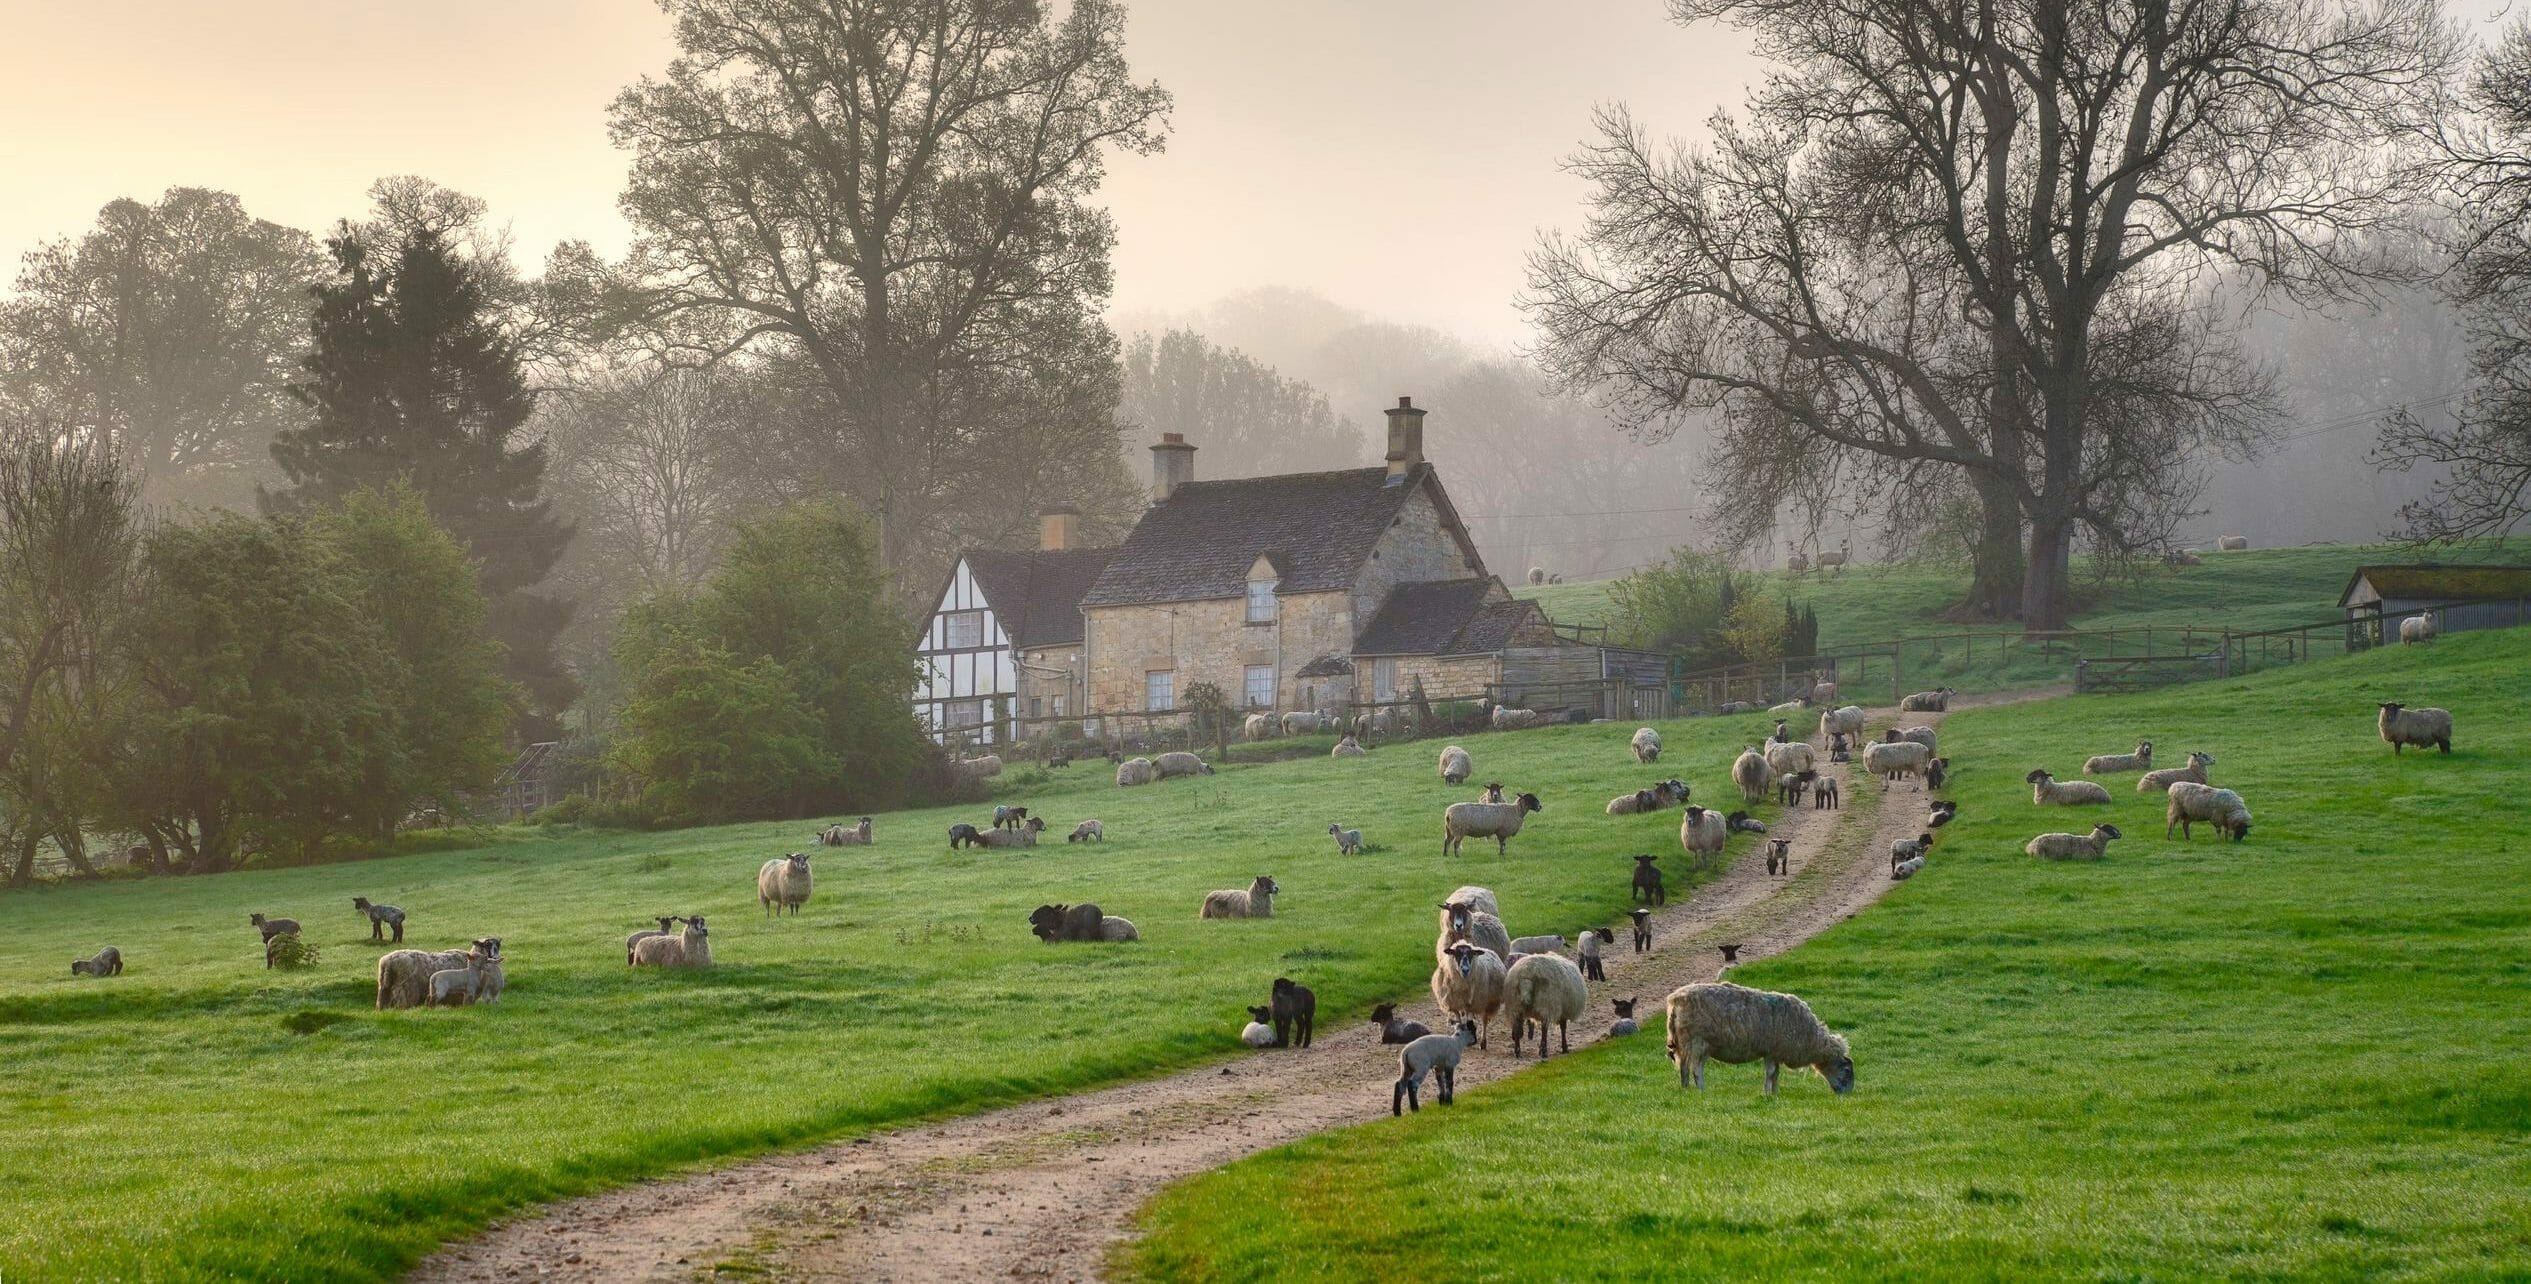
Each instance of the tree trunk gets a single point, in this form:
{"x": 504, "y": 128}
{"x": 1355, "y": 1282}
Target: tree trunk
{"x": 216, "y": 853}
{"x": 1995, "y": 585}
{"x": 157, "y": 850}
{"x": 24, "y": 873}
{"x": 74, "y": 849}
{"x": 2043, "y": 577}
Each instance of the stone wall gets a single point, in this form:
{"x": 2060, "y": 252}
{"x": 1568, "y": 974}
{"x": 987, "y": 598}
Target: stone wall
{"x": 1213, "y": 642}
{"x": 1048, "y": 694}
{"x": 1417, "y": 550}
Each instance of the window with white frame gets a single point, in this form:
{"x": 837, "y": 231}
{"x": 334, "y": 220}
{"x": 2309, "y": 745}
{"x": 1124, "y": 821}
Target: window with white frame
{"x": 966, "y": 713}
{"x": 962, "y": 629}
{"x": 1261, "y": 601}
{"x": 1260, "y": 686}
{"x": 1159, "y": 691}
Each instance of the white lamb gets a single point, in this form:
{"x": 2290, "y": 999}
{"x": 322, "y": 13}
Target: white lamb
{"x": 1348, "y": 841}
{"x": 1434, "y": 1054}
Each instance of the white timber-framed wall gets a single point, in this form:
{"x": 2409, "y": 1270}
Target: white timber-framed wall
{"x": 970, "y": 680}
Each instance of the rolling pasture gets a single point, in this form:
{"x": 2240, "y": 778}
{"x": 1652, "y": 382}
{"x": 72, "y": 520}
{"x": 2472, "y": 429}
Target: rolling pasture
{"x": 2299, "y": 1056}
{"x": 201, "y": 1117}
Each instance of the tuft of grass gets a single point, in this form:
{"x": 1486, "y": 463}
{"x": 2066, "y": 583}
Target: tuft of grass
{"x": 2294, "y": 1057}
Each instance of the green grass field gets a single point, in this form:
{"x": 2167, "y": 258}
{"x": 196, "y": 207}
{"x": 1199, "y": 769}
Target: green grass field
{"x": 2259, "y": 589}
{"x": 2298, "y": 1057}
{"x": 200, "y": 1117}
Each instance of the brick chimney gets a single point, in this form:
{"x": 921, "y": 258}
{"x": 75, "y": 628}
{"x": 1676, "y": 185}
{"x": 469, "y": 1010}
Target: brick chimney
{"x": 1058, "y": 527}
{"x": 1406, "y": 439}
{"x": 1172, "y": 465}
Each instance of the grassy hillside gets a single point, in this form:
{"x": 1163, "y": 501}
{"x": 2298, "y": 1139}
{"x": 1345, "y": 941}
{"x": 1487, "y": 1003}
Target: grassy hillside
{"x": 2294, "y": 1057}
{"x": 202, "y": 1117}
{"x": 2259, "y": 589}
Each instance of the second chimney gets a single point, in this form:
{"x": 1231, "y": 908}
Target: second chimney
{"x": 1172, "y": 465}
{"x": 1058, "y": 527}
{"x": 1406, "y": 438}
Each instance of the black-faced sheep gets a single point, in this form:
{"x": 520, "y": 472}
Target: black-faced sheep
{"x": 404, "y": 976}
{"x": 2402, "y": 726}
{"x": 1547, "y": 989}
{"x": 1052, "y": 923}
{"x": 1646, "y": 745}
{"x": 1480, "y": 899}
{"x": 1701, "y": 834}
{"x": 1749, "y": 774}
{"x": 1256, "y": 902}
{"x": 2047, "y": 791}
{"x": 690, "y": 947}
{"x": 1779, "y": 856}
{"x": 1790, "y": 787}
{"x": 1455, "y": 766}
{"x": 1625, "y": 1023}
{"x": 2161, "y": 779}
{"x": 272, "y": 927}
{"x": 381, "y": 918}
{"x": 107, "y": 962}
{"x": 1586, "y": 952}
{"x": 1492, "y": 793}
{"x": 1009, "y": 817}
{"x": 1259, "y": 1032}
{"x": 1088, "y": 831}
{"x": 1463, "y": 921}
{"x": 2204, "y": 804}
{"x": 1348, "y": 841}
{"x": 1436, "y": 1055}
{"x": 1498, "y": 821}
{"x": 1295, "y": 1012}
{"x": 964, "y": 836}
{"x": 1467, "y": 984}
{"x": 1648, "y": 881}
{"x": 784, "y": 883}
{"x": 1734, "y": 1024}
{"x": 1943, "y": 813}
{"x": 1907, "y": 849}
{"x": 1934, "y": 701}
{"x": 1394, "y": 1029}
{"x": 1643, "y": 929}
{"x": 2091, "y": 846}
{"x": 2108, "y": 763}
{"x": 1348, "y": 748}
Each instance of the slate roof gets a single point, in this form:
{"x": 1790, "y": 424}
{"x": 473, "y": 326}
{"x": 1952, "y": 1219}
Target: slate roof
{"x": 1444, "y": 617}
{"x": 1327, "y": 666}
{"x": 1320, "y": 528}
{"x": 1037, "y": 594}
{"x": 2431, "y": 583}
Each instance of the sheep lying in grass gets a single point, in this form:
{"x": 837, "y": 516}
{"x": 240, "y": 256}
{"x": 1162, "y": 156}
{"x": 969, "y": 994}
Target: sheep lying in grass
{"x": 1295, "y": 1008}
{"x": 2091, "y": 846}
{"x": 1256, "y": 902}
{"x": 404, "y": 976}
{"x": 1135, "y": 771}
{"x": 783, "y": 883}
{"x": 1893, "y": 760}
{"x": 1907, "y": 849}
{"x": 667, "y": 923}
{"x": 1088, "y": 831}
{"x": 107, "y": 962}
{"x": 1395, "y": 1029}
{"x": 1113, "y": 928}
{"x": 2104, "y": 764}
{"x": 2161, "y": 779}
{"x": 1648, "y": 881}
{"x": 1024, "y": 836}
{"x": 1052, "y": 923}
{"x": 1545, "y": 988}
{"x": 2402, "y": 726}
{"x": 1436, "y": 1055}
{"x": 1586, "y": 952}
{"x": 1498, "y": 821}
{"x": 1660, "y": 796}
{"x": 1259, "y": 1032}
{"x": 1625, "y": 1023}
{"x": 1455, "y": 766}
{"x": 838, "y": 836}
{"x": 1934, "y": 701}
{"x": 1847, "y": 721}
{"x": 690, "y": 947}
{"x": 1467, "y": 984}
{"x": 1734, "y": 1024}
{"x": 2047, "y": 791}
{"x": 1348, "y": 841}
{"x": 1348, "y": 748}
{"x": 272, "y": 927}
{"x": 984, "y": 768}
{"x": 1701, "y": 834}
{"x": 1749, "y": 773}
{"x": 2204, "y": 804}
{"x": 1645, "y": 744}
{"x": 381, "y": 918}
{"x": 1730, "y": 707}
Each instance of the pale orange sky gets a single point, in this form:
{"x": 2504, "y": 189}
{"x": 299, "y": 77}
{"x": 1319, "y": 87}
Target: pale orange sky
{"x": 1397, "y": 156}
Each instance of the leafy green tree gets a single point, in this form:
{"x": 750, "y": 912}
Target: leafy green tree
{"x": 712, "y": 737}
{"x": 1682, "y": 606}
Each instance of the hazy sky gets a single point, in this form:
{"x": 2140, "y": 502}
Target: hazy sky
{"x": 1398, "y": 156}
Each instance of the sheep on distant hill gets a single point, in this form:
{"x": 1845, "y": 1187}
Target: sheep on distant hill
{"x": 839, "y": 836}
{"x": 1024, "y": 836}
{"x": 1348, "y": 748}
{"x": 1734, "y": 1024}
{"x": 2204, "y": 804}
{"x": 2047, "y": 791}
{"x": 2416, "y": 628}
{"x": 1175, "y": 764}
{"x": 2233, "y": 543}
{"x": 2401, "y": 726}
{"x": 1261, "y": 726}
{"x": 988, "y": 766}
{"x": 1257, "y": 901}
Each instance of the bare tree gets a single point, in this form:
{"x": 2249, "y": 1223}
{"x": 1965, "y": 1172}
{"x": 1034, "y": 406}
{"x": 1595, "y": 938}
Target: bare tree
{"x": 1952, "y": 231}
{"x": 897, "y": 190}
{"x": 649, "y": 464}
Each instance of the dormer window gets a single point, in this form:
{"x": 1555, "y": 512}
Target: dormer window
{"x": 1263, "y": 577}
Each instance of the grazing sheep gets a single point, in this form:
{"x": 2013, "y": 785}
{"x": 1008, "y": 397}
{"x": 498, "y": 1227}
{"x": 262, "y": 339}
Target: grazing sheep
{"x": 1181, "y": 764}
{"x": 1395, "y": 1029}
{"x": 1052, "y": 923}
{"x": 783, "y": 882}
{"x": 1701, "y": 834}
{"x": 404, "y": 976}
{"x": 1739, "y": 822}
{"x": 2047, "y": 791}
{"x": 2203, "y": 804}
{"x": 1545, "y": 988}
{"x": 457, "y": 986}
{"x": 667, "y": 923}
{"x": 1498, "y": 821}
{"x": 2091, "y": 846}
{"x": 1735, "y": 1025}
{"x": 1135, "y": 771}
{"x": 1348, "y": 841}
{"x": 1024, "y": 836}
{"x": 2103, "y": 764}
{"x": 1462, "y": 921}
{"x": 1261, "y": 726}
{"x": 1906, "y": 869}
{"x": 1907, "y": 849}
{"x": 1433, "y": 1054}
{"x": 2416, "y": 628}
{"x": 988, "y": 766}
{"x": 1648, "y": 881}
{"x": 1748, "y": 771}
{"x": 1937, "y": 700}
{"x": 838, "y": 836}
{"x": 107, "y": 962}
{"x": 1891, "y": 760}
{"x": 1551, "y": 943}
{"x": 2401, "y": 726}
{"x": 1625, "y": 1023}
{"x": 1646, "y": 745}
{"x": 2163, "y": 778}
{"x": 1480, "y": 899}
{"x": 690, "y": 947}
{"x": 1009, "y": 817}
{"x": 1348, "y": 748}
{"x": 1643, "y": 929}
{"x": 2233, "y": 543}
{"x": 381, "y": 918}
{"x": 1779, "y": 856}
{"x": 1256, "y": 902}
{"x": 1467, "y": 983}
{"x": 1088, "y": 831}
{"x": 1259, "y": 1032}
{"x": 1790, "y": 787}
{"x": 964, "y": 836}
{"x": 1586, "y": 952}
{"x": 1847, "y": 721}
{"x": 272, "y": 927}
{"x": 1943, "y": 813}
{"x": 1790, "y": 757}
{"x": 1295, "y": 1012}
{"x": 1456, "y": 766}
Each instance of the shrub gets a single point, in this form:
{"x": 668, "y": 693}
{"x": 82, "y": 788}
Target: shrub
{"x": 288, "y": 953}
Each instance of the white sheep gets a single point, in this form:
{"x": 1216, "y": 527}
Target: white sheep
{"x": 1848, "y": 721}
{"x": 1925, "y": 736}
{"x": 1661, "y": 795}
{"x": 1498, "y": 821}
{"x": 2161, "y": 779}
{"x": 1790, "y": 757}
{"x": 2401, "y": 726}
{"x": 2103, "y": 764}
{"x": 783, "y": 882}
{"x": 1551, "y": 943}
{"x": 1348, "y": 748}
{"x": 2233, "y": 543}
{"x": 2091, "y": 846}
{"x": 2204, "y": 804}
{"x": 1702, "y": 833}
{"x": 1735, "y": 1025}
{"x": 1348, "y": 841}
{"x": 1586, "y": 952}
{"x": 404, "y": 976}
{"x": 457, "y": 986}
{"x": 1823, "y": 692}
{"x": 1463, "y": 921}
{"x": 1455, "y": 766}
{"x": 690, "y": 947}
{"x": 1434, "y": 1054}
{"x": 1258, "y": 1033}
{"x": 1934, "y": 701}
{"x": 2047, "y": 791}
{"x": 1301, "y": 723}
{"x": 2417, "y": 628}
{"x": 1261, "y": 726}
{"x": 1788, "y": 708}
{"x": 667, "y": 923}
{"x": 1024, "y": 836}
{"x": 1135, "y": 771}
{"x": 1749, "y": 772}
{"x": 838, "y": 836}
{"x": 1478, "y": 898}
{"x": 1181, "y": 764}
{"x": 1256, "y": 902}
{"x": 1892, "y": 759}
{"x": 987, "y": 766}
{"x": 1088, "y": 831}
{"x": 1546, "y": 988}
{"x": 1646, "y": 745}
{"x": 1467, "y": 984}
{"x": 1113, "y": 928}
{"x": 1505, "y": 718}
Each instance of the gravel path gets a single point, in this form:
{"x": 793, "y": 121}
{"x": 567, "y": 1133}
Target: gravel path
{"x": 1046, "y": 1189}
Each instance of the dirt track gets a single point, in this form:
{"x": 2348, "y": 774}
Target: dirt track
{"x": 1046, "y": 1189}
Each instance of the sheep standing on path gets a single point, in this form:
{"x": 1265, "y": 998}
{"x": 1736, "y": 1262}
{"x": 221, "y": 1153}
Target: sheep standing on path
{"x": 381, "y": 918}
{"x": 1749, "y": 773}
{"x": 1643, "y": 929}
{"x": 2204, "y": 804}
{"x": 782, "y": 883}
{"x": 2091, "y": 846}
{"x": 106, "y": 962}
{"x": 690, "y": 947}
{"x": 1295, "y": 1009}
{"x": 1547, "y": 989}
{"x": 1434, "y": 1054}
{"x": 1463, "y": 921}
{"x": 1702, "y": 834}
{"x": 1735, "y": 1025}
{"x": 1892, "y": 760}
{"x": 2107, "y": 763}
{"x": 1586, "y": 952}
{"x": 1498, "y": 821}
{"x": 1256, "y": 902}
{"x": 1648, "y": 881}
{"x": 1467, "y": 984}
{"x": 2047, "y": 791}
{"x": 1455, "y": 766}
{"x": 1847, "y": 721}
{"x": 2401, "y": 726}
{"x": 1646, "y": 745}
